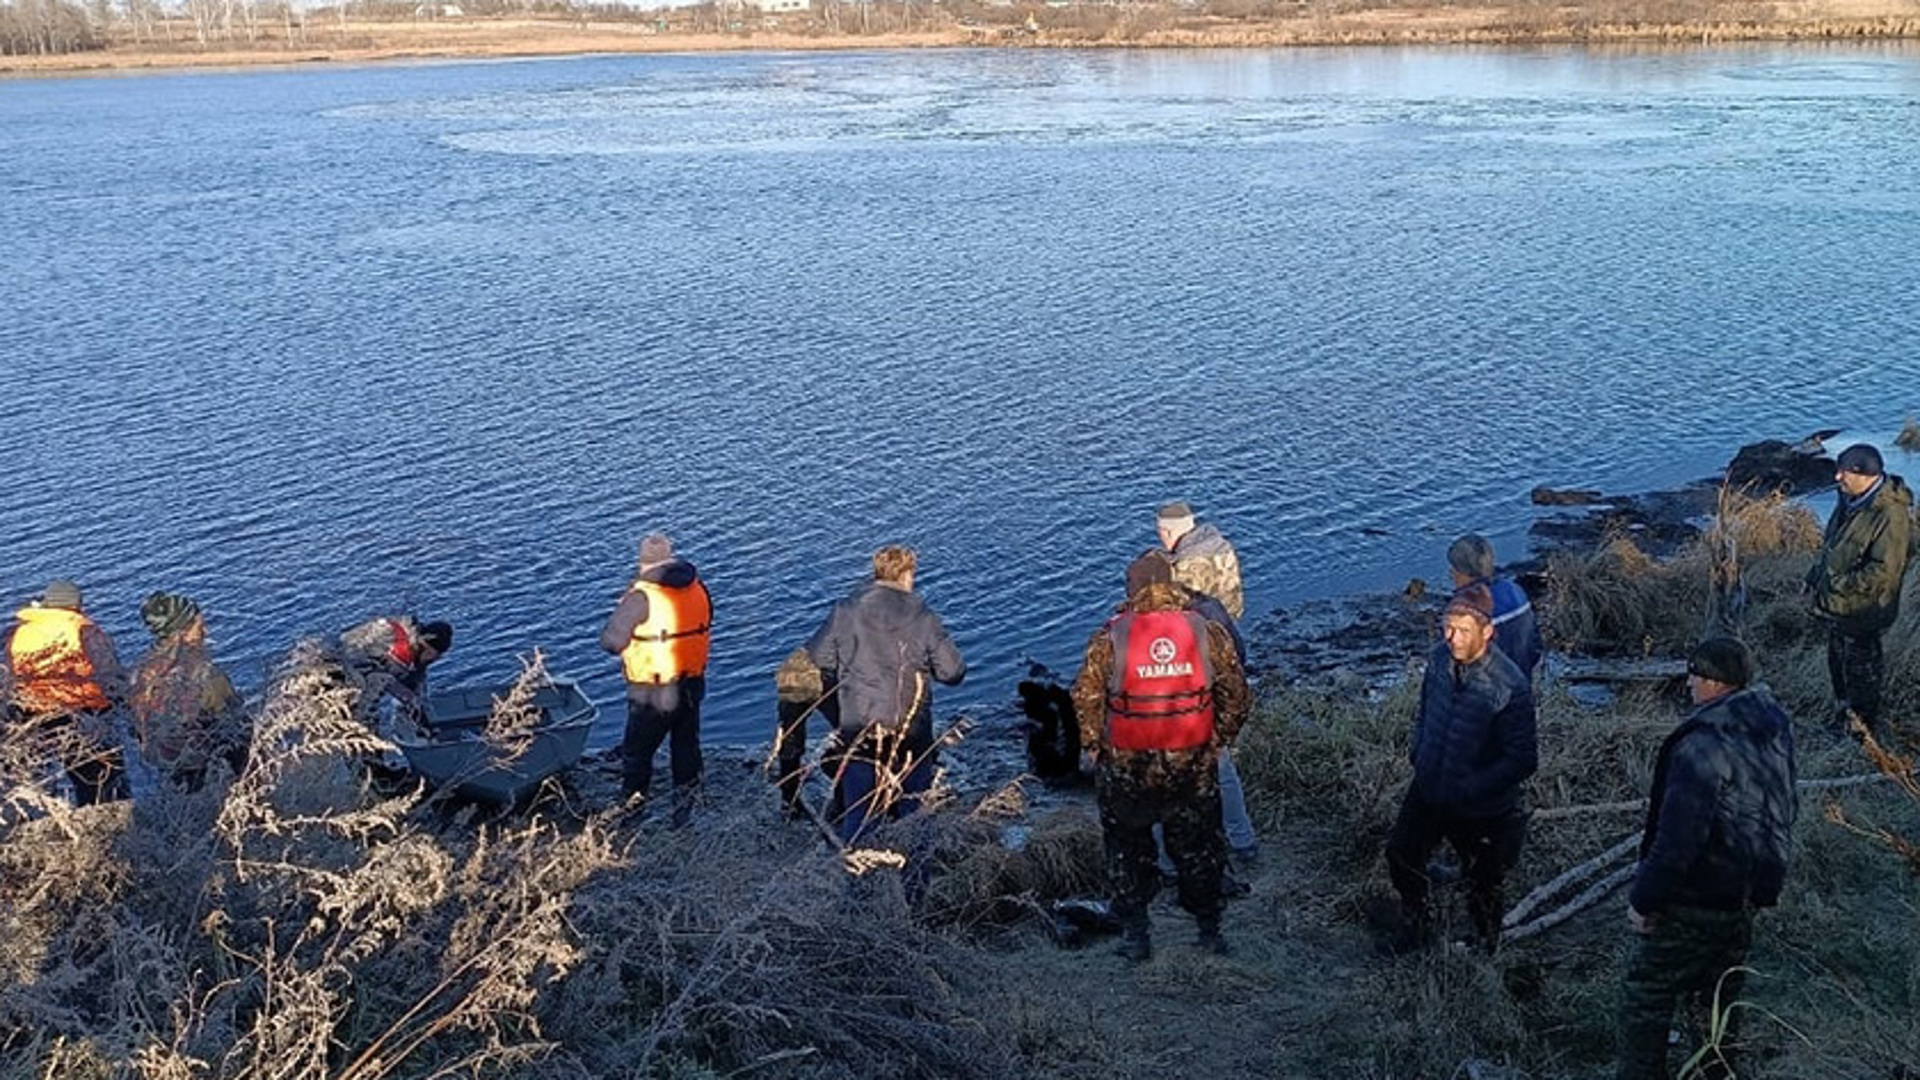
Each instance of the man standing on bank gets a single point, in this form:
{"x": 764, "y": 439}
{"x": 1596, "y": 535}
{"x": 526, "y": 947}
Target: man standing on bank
{"x": 1473, "y": 746}
{"x": 1719, "y": 825}
{"x": 661, "y": 630}
{"x": 1855, "y": 582}
{"x": 1160, "y": 692}
{"x": 888, "y": 649}
{"x": 1206, "y": 563}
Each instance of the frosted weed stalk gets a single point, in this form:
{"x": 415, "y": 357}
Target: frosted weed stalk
{"x": 324, "y": 936}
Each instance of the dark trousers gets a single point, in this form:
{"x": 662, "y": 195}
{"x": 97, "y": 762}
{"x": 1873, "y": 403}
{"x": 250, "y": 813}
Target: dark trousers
{"x": 1683, "y": 957}
{"x": 1858, "y": 669}
{"x": 655, "y": 713}
{"x": 97, "y": 770}
{"x": 882, "y": 776}
{"x": 1488, "y": 847}
{"x": 790, "y": 747}
{"x": 1184, "y": 800}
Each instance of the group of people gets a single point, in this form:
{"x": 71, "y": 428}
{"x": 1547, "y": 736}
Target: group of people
{"x": 1160, "y": 697}
{"x": 68, "y": 684}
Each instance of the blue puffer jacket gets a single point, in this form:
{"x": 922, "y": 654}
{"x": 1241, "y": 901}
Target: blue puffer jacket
{"x": 1515, "y": 629}
{"x": 1720, "y": 819}
{"x": 1474, "y": 740}
{"x": 888, "y": 647}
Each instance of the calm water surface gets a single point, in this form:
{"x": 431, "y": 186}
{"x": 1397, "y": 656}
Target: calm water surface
{"x": 317, "y": 344}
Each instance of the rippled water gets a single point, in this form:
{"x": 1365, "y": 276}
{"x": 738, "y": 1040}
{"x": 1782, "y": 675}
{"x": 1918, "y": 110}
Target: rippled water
{"x": 315, "y": 344}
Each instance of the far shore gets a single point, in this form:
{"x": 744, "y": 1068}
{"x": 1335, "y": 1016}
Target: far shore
{"x": 1595, "y": 22}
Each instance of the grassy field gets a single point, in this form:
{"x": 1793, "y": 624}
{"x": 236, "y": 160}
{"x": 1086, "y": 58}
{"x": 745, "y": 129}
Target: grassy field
{"x": 293, "y": 923}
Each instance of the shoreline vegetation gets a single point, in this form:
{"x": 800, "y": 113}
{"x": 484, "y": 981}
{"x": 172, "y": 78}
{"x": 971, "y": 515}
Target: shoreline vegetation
{"x": 295, "y": 923}
{"x": 48, "y": 37}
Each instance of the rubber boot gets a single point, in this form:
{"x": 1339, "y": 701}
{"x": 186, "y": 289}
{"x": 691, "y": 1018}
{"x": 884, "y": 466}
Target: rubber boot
{"x": 1414, "y": 933}
{"x": 1210, "y": 940}
{"x": 1136, "y": 943}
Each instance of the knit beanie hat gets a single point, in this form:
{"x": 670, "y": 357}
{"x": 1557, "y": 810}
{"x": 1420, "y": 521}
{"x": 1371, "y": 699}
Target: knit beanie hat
{"x": 1473, "y": 600}
{"x": 166, "y": 614}
{"x": 655, "y": 549}
{"x": 1174, "y": 511}
{"x": 1862, "y": 459}
{"x": 1724, "y": 660}
{"x": 438, "y": 635}
{"x": 61, "y": 593}
{"x": 1151, "y": 568}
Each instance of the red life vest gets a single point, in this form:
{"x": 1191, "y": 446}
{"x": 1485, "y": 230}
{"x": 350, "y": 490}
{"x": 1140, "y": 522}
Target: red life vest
{"x": 1160, "y": 695}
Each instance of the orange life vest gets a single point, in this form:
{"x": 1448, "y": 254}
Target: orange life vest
{"x": 1159, "y": 696}
{"x": 51, "y": 669}
{"x": 671, "y": 642}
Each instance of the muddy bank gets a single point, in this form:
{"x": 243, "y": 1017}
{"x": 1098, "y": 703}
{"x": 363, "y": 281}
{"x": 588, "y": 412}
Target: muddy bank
{"x": 1356, "y": 644}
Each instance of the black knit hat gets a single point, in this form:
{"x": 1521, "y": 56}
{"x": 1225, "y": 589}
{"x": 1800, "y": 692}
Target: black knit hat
{"x": 1151, "y": 568}
{"x": 439, "y": 635}
{"x": 1861, "y": 459}
{"x": 1724, "y": 660}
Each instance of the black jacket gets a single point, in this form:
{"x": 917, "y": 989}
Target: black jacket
{"x": 886, "y": 644}
{"x": 1720, "y": 817}
{"x": 1474, "y": 738}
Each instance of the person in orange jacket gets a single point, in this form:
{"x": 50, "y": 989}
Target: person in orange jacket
{"x": 66, "y": 683}
{"x": 660, "y": 630}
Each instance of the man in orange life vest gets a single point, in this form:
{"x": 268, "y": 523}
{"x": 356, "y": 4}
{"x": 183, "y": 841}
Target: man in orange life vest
{"x": 1160, "y": 692}
{"x": 65, "y": 676}
{"x": 660, "y": 631}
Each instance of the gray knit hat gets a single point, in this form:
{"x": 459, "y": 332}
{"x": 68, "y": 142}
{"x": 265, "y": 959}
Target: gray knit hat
{"x": 1176, "y": 510}
{"x": 61, "y": 593}
{"x": 655, "y": 549}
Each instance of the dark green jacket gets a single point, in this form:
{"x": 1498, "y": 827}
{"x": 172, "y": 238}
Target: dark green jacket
{"x": 1856, "y": 580}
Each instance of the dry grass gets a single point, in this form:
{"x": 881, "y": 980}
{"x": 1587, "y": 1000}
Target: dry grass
{"x": 1218, "y": 24}
{"x": 1619, "y": 600}
{"x": 290, "y": 923}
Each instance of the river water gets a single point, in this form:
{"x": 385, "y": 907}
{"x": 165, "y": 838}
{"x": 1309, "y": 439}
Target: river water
{"x": 320, "y": 343}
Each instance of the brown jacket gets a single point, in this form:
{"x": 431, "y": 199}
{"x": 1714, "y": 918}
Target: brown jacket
{"x": 1232, "y": 699}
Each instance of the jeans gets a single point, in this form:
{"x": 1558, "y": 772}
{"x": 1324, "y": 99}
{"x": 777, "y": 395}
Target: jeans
{"x": 882, "y": 777}
{"x": 1233, "y": 806}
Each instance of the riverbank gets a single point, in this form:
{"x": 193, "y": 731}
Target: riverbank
{"x": 289, "y": 916}
{"x": 178, "y": 45}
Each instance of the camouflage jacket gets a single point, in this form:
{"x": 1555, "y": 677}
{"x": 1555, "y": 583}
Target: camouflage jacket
{"x": 1232, "y": 699}
{"x": 1857, "y": 578}
{"x": 1205, "y": 562}
{"x": 184, "y": 707}
{"x": 799, "y": 679}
